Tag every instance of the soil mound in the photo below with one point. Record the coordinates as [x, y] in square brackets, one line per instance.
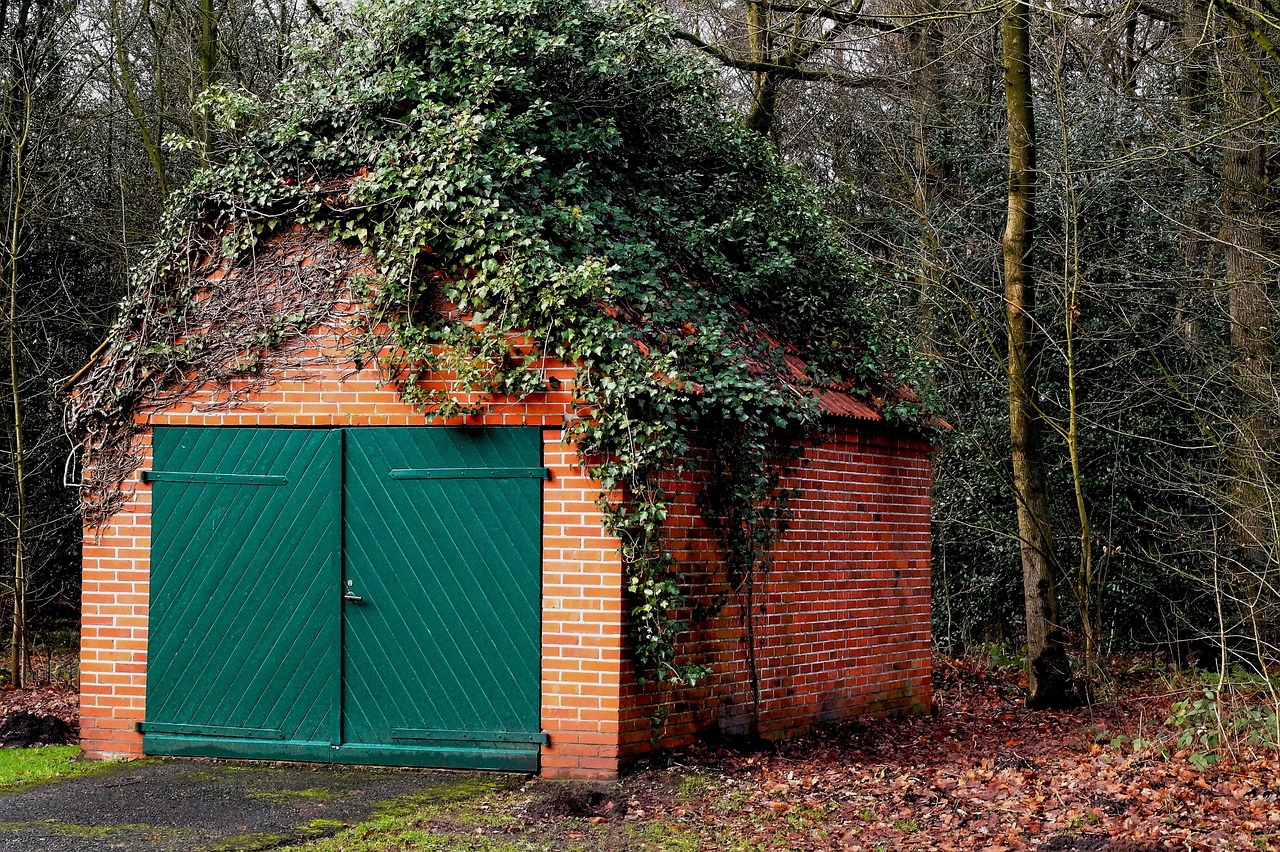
[574, 799]
[22, 729]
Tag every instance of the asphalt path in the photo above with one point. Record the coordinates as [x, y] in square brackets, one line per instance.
[196, 805]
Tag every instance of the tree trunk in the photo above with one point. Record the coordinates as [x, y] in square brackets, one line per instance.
[123, 80]
[1245, 253]
[17, 126]
[1049, 674]
[764, 84]
[1197, 244]
[207, 50]
[924, 44]
[764, 103]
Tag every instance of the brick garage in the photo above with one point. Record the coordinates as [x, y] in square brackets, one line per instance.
[842, 618]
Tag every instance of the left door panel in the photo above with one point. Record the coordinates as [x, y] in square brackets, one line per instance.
[246, 568]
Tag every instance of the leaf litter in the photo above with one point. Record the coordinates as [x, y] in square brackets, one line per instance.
[981, 773]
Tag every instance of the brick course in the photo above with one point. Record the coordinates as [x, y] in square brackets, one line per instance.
[847, 604]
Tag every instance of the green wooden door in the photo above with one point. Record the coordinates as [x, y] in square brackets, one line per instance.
[443, 542]
[354, 596]
[243, 649]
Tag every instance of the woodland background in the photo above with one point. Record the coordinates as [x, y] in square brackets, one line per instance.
[1146, 356]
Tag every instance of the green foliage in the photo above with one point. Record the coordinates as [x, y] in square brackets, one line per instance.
[1206, 724]
[531, 178]
[1205, 727]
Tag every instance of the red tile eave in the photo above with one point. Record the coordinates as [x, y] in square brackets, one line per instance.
[837, 404]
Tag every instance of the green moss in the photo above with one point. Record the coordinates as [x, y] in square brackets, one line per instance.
[283, 797]
[398, 833]
[441, 817]
[438, 796]
[89, 832]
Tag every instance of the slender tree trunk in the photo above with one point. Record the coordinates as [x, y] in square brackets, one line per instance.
[924, 43]
[1198, 249]
[21, 100]
[124, 83]
[1049, 674]
[16, 117]
[207, 50]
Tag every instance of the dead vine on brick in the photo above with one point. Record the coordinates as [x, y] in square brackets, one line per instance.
[234, 320]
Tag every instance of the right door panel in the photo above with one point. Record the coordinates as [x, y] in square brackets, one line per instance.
[442, 548]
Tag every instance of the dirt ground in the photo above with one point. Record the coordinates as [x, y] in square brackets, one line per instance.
[982, 774]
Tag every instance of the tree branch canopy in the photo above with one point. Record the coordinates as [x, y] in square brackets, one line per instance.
[786, 71]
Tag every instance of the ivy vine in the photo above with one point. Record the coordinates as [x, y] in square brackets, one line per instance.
[543, 177]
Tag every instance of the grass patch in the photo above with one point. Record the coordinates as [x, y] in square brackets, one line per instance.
[805, 817]
[23, 767]
[668, 838]
[730, 802]
[693, 786]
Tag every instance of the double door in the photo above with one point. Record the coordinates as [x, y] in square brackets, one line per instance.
[364, 595]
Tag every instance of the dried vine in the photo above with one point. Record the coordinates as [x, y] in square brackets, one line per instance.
[225, 308]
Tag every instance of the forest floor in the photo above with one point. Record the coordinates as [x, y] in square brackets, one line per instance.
[981, 774]
[1131, 773]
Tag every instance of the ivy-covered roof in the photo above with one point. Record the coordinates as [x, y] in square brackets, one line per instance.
[556, 168]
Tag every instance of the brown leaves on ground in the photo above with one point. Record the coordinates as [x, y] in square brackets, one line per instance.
[59, 700]
[53, 694]
[983, 774]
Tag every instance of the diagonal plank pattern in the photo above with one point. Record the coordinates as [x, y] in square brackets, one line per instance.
[243, 604]
[448, 636]
[256, 534]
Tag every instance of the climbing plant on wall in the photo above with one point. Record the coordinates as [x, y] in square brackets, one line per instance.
[524, 178]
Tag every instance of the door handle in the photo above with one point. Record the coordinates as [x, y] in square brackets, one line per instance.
[350, 598]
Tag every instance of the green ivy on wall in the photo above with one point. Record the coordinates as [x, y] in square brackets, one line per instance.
[549, 177]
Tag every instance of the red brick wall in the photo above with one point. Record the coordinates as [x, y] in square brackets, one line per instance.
[842, 625]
